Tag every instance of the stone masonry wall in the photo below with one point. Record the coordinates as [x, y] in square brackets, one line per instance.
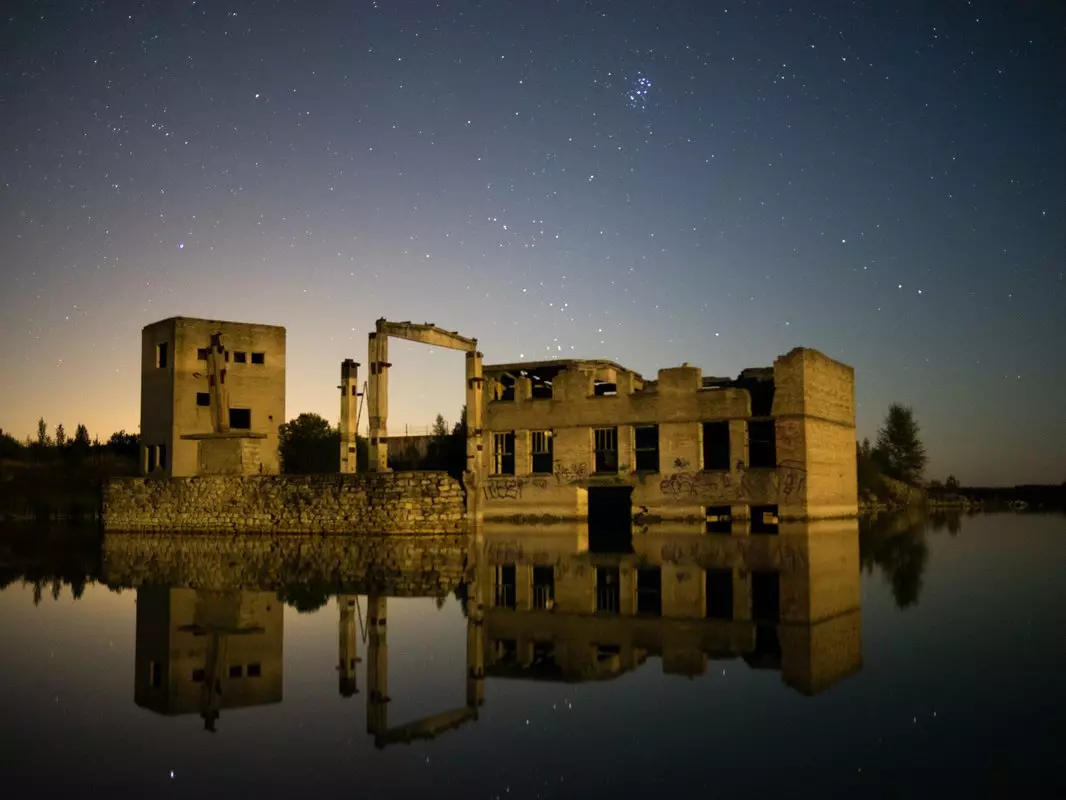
[394, 503]
[394, 565]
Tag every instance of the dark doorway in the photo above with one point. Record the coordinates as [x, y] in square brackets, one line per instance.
[650, 591]
[611, 519]
[719, 595]
[765, 596]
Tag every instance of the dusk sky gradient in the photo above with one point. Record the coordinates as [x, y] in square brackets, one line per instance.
[652, 183]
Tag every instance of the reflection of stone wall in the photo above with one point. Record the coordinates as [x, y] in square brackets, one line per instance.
[413, 566]
[396, 502]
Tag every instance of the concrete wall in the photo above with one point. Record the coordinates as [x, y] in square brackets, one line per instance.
[422, 502]
[814, 423]
[168, 395]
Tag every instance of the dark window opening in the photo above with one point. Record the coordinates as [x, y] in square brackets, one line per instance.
[542, 390]
[161, 355]
[155, 674]
[152, 453]
[506, 586]
[240, 419]
[235, 671]
[255, 670]
[260, 358]
[203, 399]
[646, 439]
[719, 519]
[765, 596]
[542, 451]
[608, 586]
[650, 591]
[543, 654]
[505, 387]
[201, 353]
[162, 456]
[506, 651]
[198, 675]
[503, 453]
[764, 519]
[719, 594]
[543, 587]
[606, 446]
[240, 357]
[716, 445]
[762, 444]
[604, 389]
[610, 519]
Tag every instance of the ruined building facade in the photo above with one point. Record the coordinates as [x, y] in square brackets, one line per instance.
[178, 402]
[592, 439]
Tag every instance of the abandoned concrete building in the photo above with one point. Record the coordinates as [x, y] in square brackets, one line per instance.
[212, 397]
[588, 439]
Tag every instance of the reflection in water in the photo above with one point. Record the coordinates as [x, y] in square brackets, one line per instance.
[787, 602]
[896, 543]
[538, 606]
[202, 651]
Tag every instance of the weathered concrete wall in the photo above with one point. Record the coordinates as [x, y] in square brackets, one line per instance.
[395, 565]
[169, 406]
[396, 502]
[814, 425]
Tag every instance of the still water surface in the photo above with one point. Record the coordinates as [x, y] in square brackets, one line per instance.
[920, 658]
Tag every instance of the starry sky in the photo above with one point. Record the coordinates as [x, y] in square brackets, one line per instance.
[647, 182]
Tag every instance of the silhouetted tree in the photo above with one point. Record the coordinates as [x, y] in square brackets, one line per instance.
[896, 543]
[124, 444]
[42, 432]
[305, 598]
[899, 451]
[61, 435]
[952, 483]
[309, 445]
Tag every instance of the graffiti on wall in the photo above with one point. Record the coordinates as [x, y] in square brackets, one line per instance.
[740, 484]
[565, 473]
[504, 488]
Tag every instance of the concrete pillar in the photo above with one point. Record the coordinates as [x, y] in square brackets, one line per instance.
[741, 595]
[741, 520]
[347, 639]
[475, 639]
[523, 460]
[627, 455]
[378, 401]
[377, 667]
[349, 414]
[475, 435]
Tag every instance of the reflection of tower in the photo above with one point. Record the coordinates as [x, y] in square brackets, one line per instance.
[199, 650]
[347, 638]
[475, 643]
[377, 668]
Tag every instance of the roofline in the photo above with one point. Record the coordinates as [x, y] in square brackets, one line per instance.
[560, 363]
[215, 321]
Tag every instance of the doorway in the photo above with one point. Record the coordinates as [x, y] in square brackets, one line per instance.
[610, 519]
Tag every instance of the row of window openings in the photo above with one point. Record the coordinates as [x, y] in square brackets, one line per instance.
[162, 355]
[155, 673]
[764, 519]
[765, 591]
[762, 448]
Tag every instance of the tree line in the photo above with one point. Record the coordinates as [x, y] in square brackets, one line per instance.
[59, 445]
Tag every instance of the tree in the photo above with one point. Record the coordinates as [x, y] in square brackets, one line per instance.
[61, 435]
[309, 444]
[952, 483]
[42, 432]
[899, 450]
[81, 436]
[125, 444]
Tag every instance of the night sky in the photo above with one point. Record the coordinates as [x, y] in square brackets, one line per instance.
[647, 182]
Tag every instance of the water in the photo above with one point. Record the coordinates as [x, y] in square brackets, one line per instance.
[920, 657]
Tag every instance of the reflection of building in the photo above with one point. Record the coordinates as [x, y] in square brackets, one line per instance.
[203, 651]
[592, 439]
[788, 602]
[176, 398]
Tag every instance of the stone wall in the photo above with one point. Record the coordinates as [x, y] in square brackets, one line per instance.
[393, 503]
[396, 565]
